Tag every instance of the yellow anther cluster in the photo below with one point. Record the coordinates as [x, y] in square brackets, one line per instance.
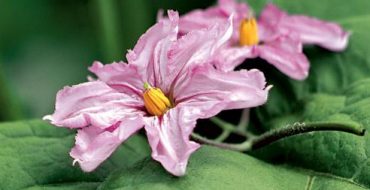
[156, 103]
[248, 32]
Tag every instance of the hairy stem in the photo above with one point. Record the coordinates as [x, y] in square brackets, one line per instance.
[299, 128]
[280, 133]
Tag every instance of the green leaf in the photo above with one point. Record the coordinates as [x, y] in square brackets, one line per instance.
[66, 186]
[214, 168]
[336, 90]
[8, 102]
[35, 155]
[329, 152]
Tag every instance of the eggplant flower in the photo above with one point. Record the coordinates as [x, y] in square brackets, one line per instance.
[166, 86]
[276, 36]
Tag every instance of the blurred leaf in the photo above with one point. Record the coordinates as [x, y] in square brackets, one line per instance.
[44, 45]
[35, 155]
[110, 33]
[213, 168]
[10, 107]
[136, 17]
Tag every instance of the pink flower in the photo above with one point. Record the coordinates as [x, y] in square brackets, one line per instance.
[166, 86]
[275, 37]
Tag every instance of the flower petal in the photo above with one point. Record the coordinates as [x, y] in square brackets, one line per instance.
[169, 139]
[229, 7]
[269, 23]
[313, 31]
[171, 57]
[200, 19]
[310, 30]
[94, 145]
[285, 53]
[210, 91]
[146, 50]
[228, 58]
[119, 76]
[92, 103]
[196, 48]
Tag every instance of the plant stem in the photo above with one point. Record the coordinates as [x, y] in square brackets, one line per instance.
[204, 140]
[222, 124]
[223, 136]
[277, 134]
[244, 120]
[299, 128]
[230, 127]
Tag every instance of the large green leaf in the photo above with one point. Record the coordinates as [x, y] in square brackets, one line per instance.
[334, 153]
[327, 94]
[213, 168]
[66, 186]
[35, 155]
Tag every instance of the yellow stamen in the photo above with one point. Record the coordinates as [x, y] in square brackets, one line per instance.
[248, 32]
[156, 103]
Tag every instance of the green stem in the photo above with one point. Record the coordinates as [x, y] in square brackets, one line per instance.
[222, 124]
[277, 134]
[223, 136]
[204, 140]
[299, 128]
[244, 120]
[230, 127]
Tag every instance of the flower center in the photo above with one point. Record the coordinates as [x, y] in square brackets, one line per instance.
[248, 32]
[156, 103]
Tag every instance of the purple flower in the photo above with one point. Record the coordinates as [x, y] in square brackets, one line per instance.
[276, 37]
[166, 86]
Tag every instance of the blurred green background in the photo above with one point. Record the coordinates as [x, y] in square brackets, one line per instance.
[47, 44]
